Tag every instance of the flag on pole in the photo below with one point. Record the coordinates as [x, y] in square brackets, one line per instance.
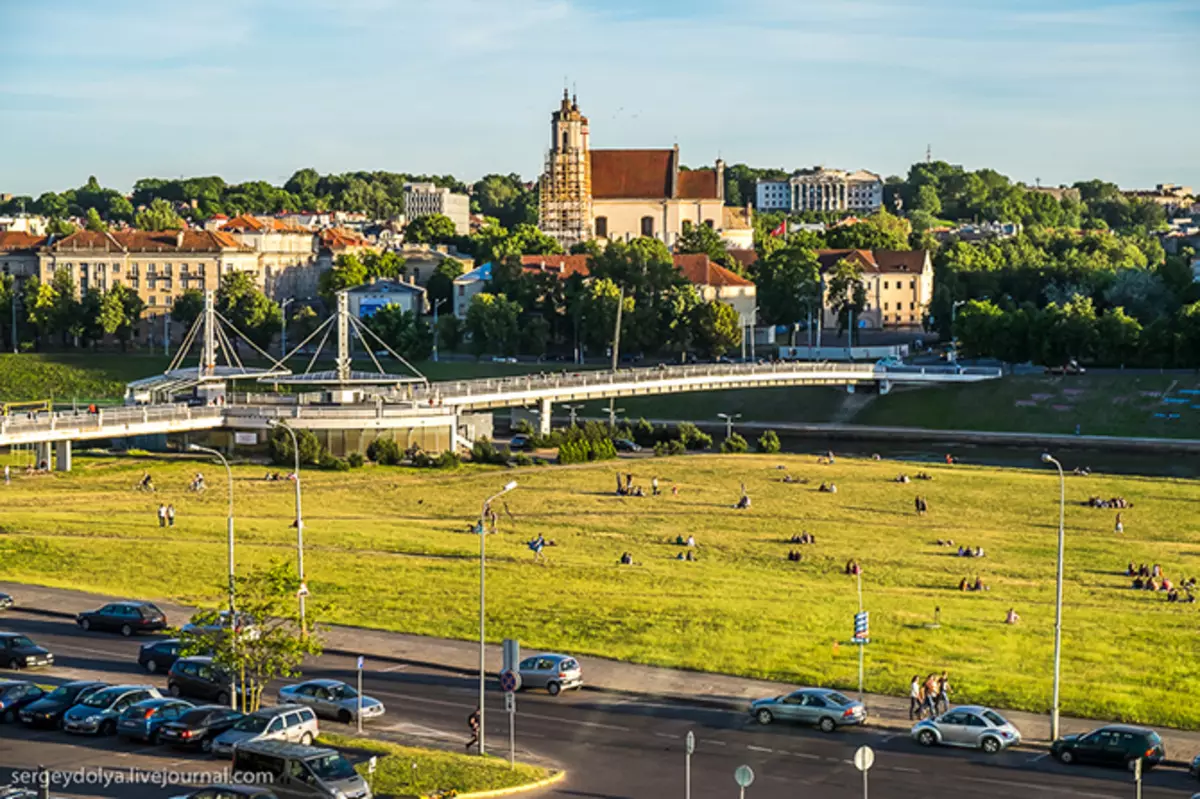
[781, 230]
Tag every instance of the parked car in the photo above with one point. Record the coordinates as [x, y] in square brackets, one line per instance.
[302, 771]
[20, 652]
[244, 626]
[625, 445]
[159, 655]
[1112, 745]
[198, 727]
[143, 721]
[196, 677]
[14, 695]
[825, 708]
[1194, 770]
[6, 601]
[96, 713]
[519, 441]
[552, 672]
[970, 726]
[229, 791]
[290, 723]
[126, 618]
[331, 699]
[48, 711]
[1071, 367]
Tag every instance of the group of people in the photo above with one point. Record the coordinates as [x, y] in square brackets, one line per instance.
[968, 552]
[626, 488]
[966, 585]
[853, 567]
[537, 545]
[1114, 502]
[166, 515]
[803, 538]
[689, 542]
[827, 458]
[788, 478]
[828, 488]
[921, 505]
[794, 556]
[197, 483]
[928, 697]
[271, 477]
[1152, 578]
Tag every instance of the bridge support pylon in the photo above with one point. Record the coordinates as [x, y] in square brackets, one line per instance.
[547, 407]
[41, 454]
[62, 456]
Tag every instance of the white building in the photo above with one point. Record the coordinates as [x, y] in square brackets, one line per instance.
[468, 285]
[368, 298]
[24, 223]
[821, 189]
[424, 199]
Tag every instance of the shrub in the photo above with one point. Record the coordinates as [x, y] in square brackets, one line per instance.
[280, 446]
[676, 447]
[447, 460]
[484, 451]
[768, 442]
[334, 464]
[643, 433]
[735, 443]
[423, 460]
[692, 437]
[660, 449]
[385, 451]
[523, 460]
[356, 460]
[524, 426]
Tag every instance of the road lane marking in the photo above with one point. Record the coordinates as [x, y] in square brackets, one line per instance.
[906, 769]
[401, 667]
[754, 748]
[805, 755]
[666, 735]
[1036, 758]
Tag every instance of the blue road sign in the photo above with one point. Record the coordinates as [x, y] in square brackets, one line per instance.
[862, 627]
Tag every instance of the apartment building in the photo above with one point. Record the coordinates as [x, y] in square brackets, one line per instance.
[899, 286]
[287, 253]
[821, 189]
[19, 253]
[424, 199]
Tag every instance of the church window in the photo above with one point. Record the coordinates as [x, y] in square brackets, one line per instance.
[647, 226]
[564, 140]
[602, 227]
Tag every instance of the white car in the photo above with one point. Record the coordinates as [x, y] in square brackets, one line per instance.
[284, 723]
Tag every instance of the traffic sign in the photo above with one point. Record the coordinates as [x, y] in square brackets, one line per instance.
[691, 742]
[864, 758]
[510, 681]
[371, 764]
[303, 590]
[360, 662]
[510, 703]
[862, 627]
[743, 776]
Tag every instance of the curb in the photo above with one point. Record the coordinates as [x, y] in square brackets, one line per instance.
[556, 777]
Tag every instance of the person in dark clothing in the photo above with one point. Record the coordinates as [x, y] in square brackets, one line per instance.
[473, 724]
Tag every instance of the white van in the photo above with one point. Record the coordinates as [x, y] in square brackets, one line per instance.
[300, 772]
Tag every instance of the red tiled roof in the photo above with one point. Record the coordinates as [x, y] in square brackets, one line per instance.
[699, 269]
[562, 265]
[878, 261]
[14, 240]
[698, 184]
[339, 239]
[632, 174]
[148, 241]
[746, 258]
[248, 223]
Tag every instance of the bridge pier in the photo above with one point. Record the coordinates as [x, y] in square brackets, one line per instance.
[547, 407]
[41, 454]
[62, 456]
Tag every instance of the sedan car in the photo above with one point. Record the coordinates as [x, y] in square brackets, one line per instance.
[143, 720]
[97, 713]
[825, 708]
[213, 628]
[6, 601]
[48, 711]
[19, 652]
[125, 618]
[970, 726]
[625, 445]
[331, 699]
[520, 441]
[159, 655]
[197, 727]
[14, 695]
[552, 672]
[1119, 745]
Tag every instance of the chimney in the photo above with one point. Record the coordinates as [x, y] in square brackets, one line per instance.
[720, 180]
[179, 239]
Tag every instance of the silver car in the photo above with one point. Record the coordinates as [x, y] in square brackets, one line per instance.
[332, 699]
[822, 707]
[97, 712]
[245, 626]
[968, 725]
[552, 672]
[286, 723]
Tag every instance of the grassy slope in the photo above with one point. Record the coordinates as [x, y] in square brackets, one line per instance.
[389, 550]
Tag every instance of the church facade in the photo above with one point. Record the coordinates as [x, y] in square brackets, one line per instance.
[615, 195]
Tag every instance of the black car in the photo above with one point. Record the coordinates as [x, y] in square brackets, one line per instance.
[14, 695]
[197, 677]
[19, 652]
[6, 601]
[126, 618]
[198, 727]
[1118, 745]
[48, 711]
[234, 791]
[159, 655]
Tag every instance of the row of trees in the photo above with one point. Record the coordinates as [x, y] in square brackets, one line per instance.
[53, 313]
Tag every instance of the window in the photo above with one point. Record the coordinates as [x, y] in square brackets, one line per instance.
[462, 290]
[912, 306]
[885, 306]
[912, 284]
[708, 223]
[647, 226]
[564, 140]
[885, 285]
[602, 227]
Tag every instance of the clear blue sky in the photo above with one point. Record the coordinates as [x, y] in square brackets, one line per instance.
[1060, 90]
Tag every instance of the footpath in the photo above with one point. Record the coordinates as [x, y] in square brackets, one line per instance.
[651, 683]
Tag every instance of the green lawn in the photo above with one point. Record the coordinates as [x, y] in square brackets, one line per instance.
[412, 771]
[389, 549]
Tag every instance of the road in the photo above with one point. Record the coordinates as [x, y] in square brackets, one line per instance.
[613, 746]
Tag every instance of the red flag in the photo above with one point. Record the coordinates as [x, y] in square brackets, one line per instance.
[781, 230]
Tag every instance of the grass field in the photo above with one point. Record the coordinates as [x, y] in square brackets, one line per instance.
[388, 548]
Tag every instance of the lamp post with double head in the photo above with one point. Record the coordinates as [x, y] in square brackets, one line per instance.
[729, 422]
[482, 601]
[1058, 597]
[282, 425]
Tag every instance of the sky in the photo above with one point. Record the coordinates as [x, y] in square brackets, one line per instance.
[1049, 90]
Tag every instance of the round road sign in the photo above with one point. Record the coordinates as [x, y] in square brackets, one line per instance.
[864, 758]
[691, 742]
[743, 776]
[510, 681]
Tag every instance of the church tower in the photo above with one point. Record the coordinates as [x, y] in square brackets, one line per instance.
[565, 190]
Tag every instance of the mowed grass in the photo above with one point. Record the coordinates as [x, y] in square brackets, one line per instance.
[389, 548]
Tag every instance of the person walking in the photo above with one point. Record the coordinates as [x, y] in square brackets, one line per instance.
[170, 516]
[931, 692]
[1118, 527]
[914, 698]
[943, 695]
[7, 474]
[473, 724]
[654, 487]
[162, 515]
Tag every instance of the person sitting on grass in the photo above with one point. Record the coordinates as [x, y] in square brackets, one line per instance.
[1138, 583]
[1173, 595]
[962, 585]
[743, 503]
[691, 542]
[626, 559]
[795, 539]
[1167, 585]
[1129, 570]
[978, 586]
[1152, 584]
[691, 555]
[1012, 617]
[679, 540]
[979, 552]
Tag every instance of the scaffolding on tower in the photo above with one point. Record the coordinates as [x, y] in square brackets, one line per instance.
[565, 189]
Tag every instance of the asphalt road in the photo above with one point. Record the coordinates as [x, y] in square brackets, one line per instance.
[613, 746]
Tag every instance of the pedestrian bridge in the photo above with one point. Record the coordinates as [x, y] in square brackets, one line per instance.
[441, 403]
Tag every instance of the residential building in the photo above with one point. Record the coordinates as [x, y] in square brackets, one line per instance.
[24, 223]
[1059, 193]
[422, 260]
[620, 194]
[978, 232]
[468, 285]
[899, 286]
[287, 253]
[368, 298]
[424, 199]
[19, 253]
[737, 227]
[820, 189]
[333, 241]
[1168, 195]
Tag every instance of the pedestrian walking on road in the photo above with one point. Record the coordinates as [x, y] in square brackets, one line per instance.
[170, 516]
[914, 698]
[473, 724]
[162, 515]
[930, 689]
[943, 695]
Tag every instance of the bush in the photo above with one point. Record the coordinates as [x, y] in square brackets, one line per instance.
[356, 460]
[660, 449]
[676, 447]
[448, 460]
[643, 433]
[334, 464]
[523, 460]
[692, 437]
[768, 442]
[484, 451]
[524, 426]
[280, 445]
[423, 460]
[735, 443]
[385, 451]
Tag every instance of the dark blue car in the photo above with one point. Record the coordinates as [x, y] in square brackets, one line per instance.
[142, 722]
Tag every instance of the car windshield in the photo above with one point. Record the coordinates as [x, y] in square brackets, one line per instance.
[329, 768]
[1154, 739]
[63, 692]
[20, 640]
[194, 717]
[103, 698]
[252, 724]
[837, 698]
[994, 718]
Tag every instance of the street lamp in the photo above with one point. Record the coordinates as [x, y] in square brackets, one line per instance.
[232, 611]
[437, 304]
[1058, 601]
[613, 410]
[729, 422]
[283, 330]
[482, 594]
[282, 425]
[573, 409]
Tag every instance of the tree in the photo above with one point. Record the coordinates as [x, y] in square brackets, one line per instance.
[705, 240]
[492, 321]
[347, 272]
[91, 328]
[431, 229]
[847, 292]
[598, 313]
[927, 200]
[387, 265]
[440, 286]
[768, 442]
[119, 209]
[505, 198]
[250, 311]
[122, 323]
[734, 444]
[187, 308]
[718, 328]
[403, 331]
[1119, 337]
[37, 298]
[60, 228]
[789, 285]
[160, 215]
[449, 332]
[8, 288]
[279, 444]
[304, 322]
[678, 305]
[94, 222]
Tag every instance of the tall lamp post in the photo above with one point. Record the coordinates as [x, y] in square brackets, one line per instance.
[482, 597]
[279, 423]
[283, 329]
[436, 304]
[229, 526]
[729, 422]
[1058, 600]
[573, 409]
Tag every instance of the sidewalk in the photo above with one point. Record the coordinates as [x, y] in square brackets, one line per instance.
[673, 685]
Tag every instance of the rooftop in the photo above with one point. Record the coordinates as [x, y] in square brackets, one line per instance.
[877, 261]
[148, 241]
[17, 240]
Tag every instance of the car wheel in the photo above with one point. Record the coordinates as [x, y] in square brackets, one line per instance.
[85, 625]
[173, 689]
[827, 725]
[926, 738]
[1066, 757]
[306, 739]
[554, 689]
[344, 716]
[223, 698]
[991, 745]
[151, 666]
[14, 664]
[126, 630]
[764, 716]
